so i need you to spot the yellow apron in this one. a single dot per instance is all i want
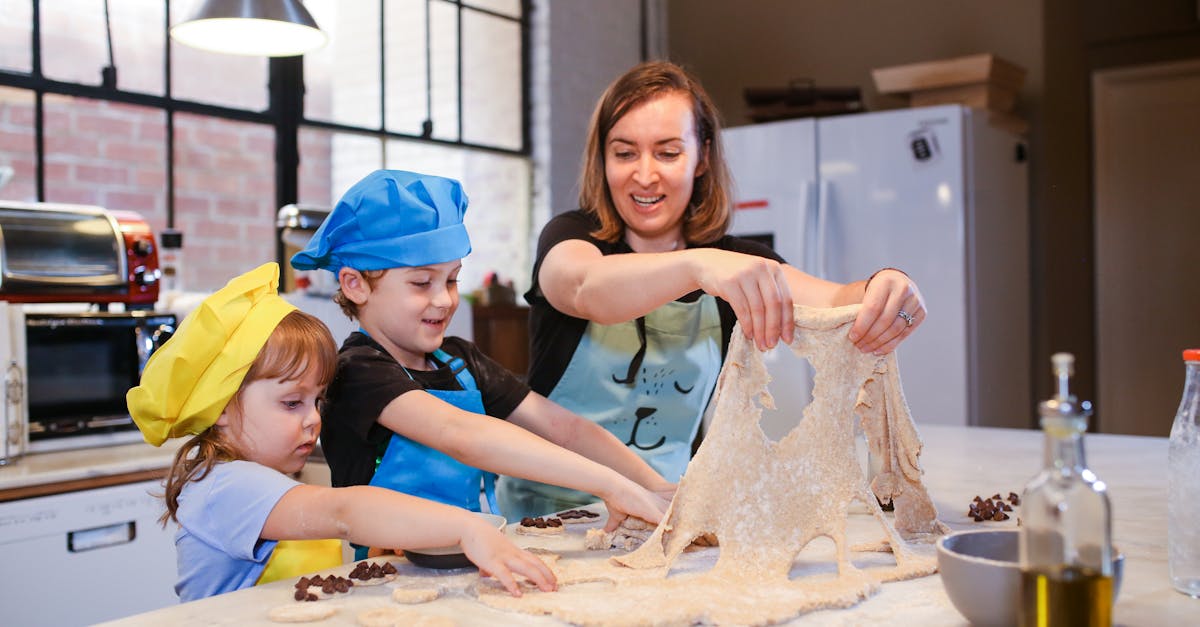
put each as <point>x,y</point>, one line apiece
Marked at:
<point>292,558</point>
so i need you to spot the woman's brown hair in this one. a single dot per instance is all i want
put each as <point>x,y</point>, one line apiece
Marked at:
<point>299,344</point>
<point>708,214</point>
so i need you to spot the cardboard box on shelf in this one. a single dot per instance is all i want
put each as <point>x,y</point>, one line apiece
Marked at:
<point>980,81</point>
<point>978,95</point>
<point>976,68</point>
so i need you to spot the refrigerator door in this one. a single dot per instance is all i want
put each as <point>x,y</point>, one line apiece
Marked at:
<point>892,194</point>
<point>773,167</point>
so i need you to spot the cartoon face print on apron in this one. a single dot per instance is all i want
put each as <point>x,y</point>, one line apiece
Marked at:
<point>648,386</point>
<point>648,381</point>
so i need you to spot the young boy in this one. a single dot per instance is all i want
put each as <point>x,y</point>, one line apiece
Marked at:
<point>413,410</point>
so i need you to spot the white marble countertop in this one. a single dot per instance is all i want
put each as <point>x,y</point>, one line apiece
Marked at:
<point>63,466</point>
<point>959,464</point>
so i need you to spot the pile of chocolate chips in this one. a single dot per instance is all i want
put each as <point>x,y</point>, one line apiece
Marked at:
<point>572,514</point>
<point>370,570</point>
<point>993,507</point>
<point>540,523</point>
<point>328,585</point>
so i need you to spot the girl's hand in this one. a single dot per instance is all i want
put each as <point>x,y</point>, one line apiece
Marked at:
<point>496,556</point>
<point>756,289</point>
<point>880,326</point>
<point>632,499</point>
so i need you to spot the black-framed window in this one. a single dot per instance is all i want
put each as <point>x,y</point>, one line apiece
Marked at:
<point>214,144</point>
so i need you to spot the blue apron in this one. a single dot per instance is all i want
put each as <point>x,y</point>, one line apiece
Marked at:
<point>647,382</point>
<point>413,468</point>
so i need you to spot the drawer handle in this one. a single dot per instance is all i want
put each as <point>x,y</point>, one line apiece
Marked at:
<point>101,537</point>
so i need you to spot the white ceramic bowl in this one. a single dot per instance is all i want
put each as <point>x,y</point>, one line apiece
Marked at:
<point>450,556</point>
<point>982,574</point>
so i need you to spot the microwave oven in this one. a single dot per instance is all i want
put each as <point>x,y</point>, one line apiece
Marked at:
<point>67,375</point>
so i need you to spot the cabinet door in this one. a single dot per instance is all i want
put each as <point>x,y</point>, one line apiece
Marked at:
<point>84,557</point>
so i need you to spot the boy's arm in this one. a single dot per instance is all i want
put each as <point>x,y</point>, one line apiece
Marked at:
<point>571,431</point>
<point>380,517</point>
<point>496,446</point>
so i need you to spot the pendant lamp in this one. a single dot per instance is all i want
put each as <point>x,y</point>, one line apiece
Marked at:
<point>272,28</point>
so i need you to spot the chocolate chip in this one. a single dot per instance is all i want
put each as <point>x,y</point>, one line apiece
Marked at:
<point>301,594</point>
<point>526,522</point>
<point>311,597</point>
<point>554,522</point>
<point>389,569</point>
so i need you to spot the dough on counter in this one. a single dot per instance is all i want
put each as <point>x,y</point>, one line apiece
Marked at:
<point>766,501</point>
<point>413,596</point>
<point>396,617</point>
<point>302,612</point>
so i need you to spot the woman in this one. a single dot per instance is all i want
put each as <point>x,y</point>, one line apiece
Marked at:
<point>634,295</point>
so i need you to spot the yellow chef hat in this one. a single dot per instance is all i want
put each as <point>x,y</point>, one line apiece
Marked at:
<point>188,382</point>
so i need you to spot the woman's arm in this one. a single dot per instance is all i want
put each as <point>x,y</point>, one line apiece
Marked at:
<point>380,517</point>
<point>497,446</point>
<point>575,433</point>
<point>580,281</point>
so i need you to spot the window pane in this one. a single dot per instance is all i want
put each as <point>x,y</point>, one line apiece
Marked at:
<point>331,162</point>
<point>17,149</point>
<point>75,45</point>
<point>491,80</point>
<point>498,216</point>
<point>223,79</point>
<point>443,26</point>
<point>107,153</point>
<point>406,79</point>
<point>507,7</point>
<point>224,198</point>
<point>16,35</point>
<point>341,80</point>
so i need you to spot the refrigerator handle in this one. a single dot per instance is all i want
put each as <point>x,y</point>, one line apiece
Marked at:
<point>818,268</point>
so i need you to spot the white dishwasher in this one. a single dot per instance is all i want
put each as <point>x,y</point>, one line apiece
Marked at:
<point>83,557</point>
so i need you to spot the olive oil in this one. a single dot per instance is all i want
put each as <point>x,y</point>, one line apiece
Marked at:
<point>1066,522</point>
<point>1071,597</point>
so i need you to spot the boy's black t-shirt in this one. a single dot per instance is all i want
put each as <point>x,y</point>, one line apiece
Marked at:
<point>368,378</point>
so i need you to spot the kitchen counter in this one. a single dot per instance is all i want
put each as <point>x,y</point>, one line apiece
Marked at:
<point>960,463</point>
<point>41,474</point>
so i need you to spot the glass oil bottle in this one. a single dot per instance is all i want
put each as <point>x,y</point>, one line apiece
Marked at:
<point>1066,525</point>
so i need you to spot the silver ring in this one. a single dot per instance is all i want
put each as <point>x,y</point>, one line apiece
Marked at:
<point>908,318</point>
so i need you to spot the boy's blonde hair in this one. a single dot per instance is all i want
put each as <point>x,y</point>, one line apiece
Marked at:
<point>299,344</point>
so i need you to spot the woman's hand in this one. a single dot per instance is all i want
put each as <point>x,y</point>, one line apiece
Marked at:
<point>631,499</point>
<point>892,309</point>
<point>755,287</point>
<point>496,556</point>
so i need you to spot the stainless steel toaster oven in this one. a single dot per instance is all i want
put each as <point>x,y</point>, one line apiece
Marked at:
<point>76,253</point>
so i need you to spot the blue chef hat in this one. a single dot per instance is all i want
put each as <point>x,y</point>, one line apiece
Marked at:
<point>391,219</point>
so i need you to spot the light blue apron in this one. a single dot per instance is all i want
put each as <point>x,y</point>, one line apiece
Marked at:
<point>647,382</point>
<point>416,469</point>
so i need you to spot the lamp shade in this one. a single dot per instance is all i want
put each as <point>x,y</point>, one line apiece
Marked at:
<point>272,28</point>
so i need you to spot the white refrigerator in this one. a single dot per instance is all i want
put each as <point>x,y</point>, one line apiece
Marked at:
<point>934,191</point>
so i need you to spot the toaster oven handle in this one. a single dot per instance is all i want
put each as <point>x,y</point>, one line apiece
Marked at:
<point>14,396</point>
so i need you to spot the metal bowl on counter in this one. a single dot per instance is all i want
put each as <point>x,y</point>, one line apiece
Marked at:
<point>450,556</point>
<point>982,575</point>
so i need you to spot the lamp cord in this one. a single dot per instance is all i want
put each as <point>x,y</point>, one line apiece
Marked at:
<point>108,74</point>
